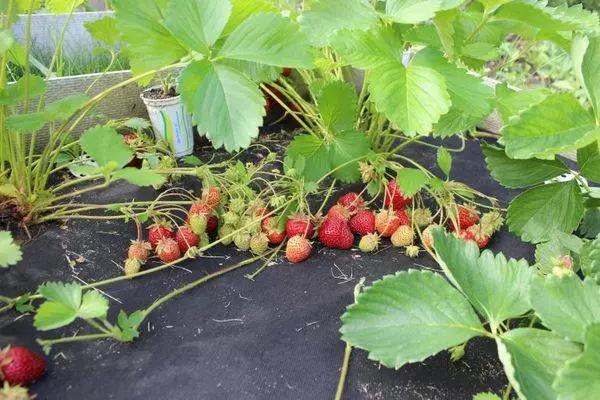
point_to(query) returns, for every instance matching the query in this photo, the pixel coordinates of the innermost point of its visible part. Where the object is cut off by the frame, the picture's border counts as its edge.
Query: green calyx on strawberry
(8, 392)
(297, 249)
(394, 198)
(362, 223)
(352, 202)
(369, 243)
(299, 224)
(168, 250)
(159, 230)
(386, 223)
(20, 366)
(335, 233)
(186, 238)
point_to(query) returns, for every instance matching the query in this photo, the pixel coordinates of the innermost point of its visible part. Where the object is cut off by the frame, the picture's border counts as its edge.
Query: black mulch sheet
(232, 338)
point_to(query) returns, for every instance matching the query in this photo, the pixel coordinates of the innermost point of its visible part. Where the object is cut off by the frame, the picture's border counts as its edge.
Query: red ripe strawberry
(394, 198)
(352, 202)
(339, 212)
(363, 223)
(139, 250)
(476, 234)
(269, 227)
(297, 249)
(159, 231)
(299, 225)
(168, 250)
(211, 196)
(403, 216)
(186, 238)
(129, 138)
(335, 233)
(386, 223)
(20, 366)
(286, 72)
(467, 217)
(212, 224)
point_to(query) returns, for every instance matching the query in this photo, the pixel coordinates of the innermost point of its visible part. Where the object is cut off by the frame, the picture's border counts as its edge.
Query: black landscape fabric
(232, 338)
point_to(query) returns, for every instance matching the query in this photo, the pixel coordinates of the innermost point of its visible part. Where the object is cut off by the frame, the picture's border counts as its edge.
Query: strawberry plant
(412, 315)
(539, 126)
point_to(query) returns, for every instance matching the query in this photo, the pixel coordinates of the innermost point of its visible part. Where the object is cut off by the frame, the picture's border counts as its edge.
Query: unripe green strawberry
(421, 217)
(369, 243)
(198, 223)
(259, 243)
(8, 392)
(225, 232)
(237, 205)
(132, 266)
(412, 251)
(230, 218)
(404, 236)
(204, 240)
(242, 241)
(491, 222)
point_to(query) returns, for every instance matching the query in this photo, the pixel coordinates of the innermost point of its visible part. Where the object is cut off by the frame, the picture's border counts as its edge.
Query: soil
(232, 338)
(159, 94)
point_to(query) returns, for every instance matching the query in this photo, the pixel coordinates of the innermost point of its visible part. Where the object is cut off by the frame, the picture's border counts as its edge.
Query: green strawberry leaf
(345, 147)
(454, 122)
(408, 317)
(129, 325)
(66, 294)
(566, 305)
(590, 226)
(242, 9)
(51, 315)
(515, 174)
(105, 146)
(16, 92)
(412, 12)
(512, 103)
(315, 154)
(496, 287)
(226, 105)
(444, 161)
(532, 359)
(104, 30)
(140, 177)
(586, 60)
(65, 107)
(536, 214)
(149, 43)
(10, 253)
(196, 24)
(412, 97)
(63, 6)
(590, 259)
(326, 17)
(338, 105)
(93, 305)
(557, 124)
(411, 180)
(27, 123)
(468, 93)
(270, 39)
(369, 49)
(578, 379)
(486, 396)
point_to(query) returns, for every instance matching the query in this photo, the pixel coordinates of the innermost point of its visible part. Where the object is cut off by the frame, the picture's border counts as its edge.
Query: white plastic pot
(171, 122)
